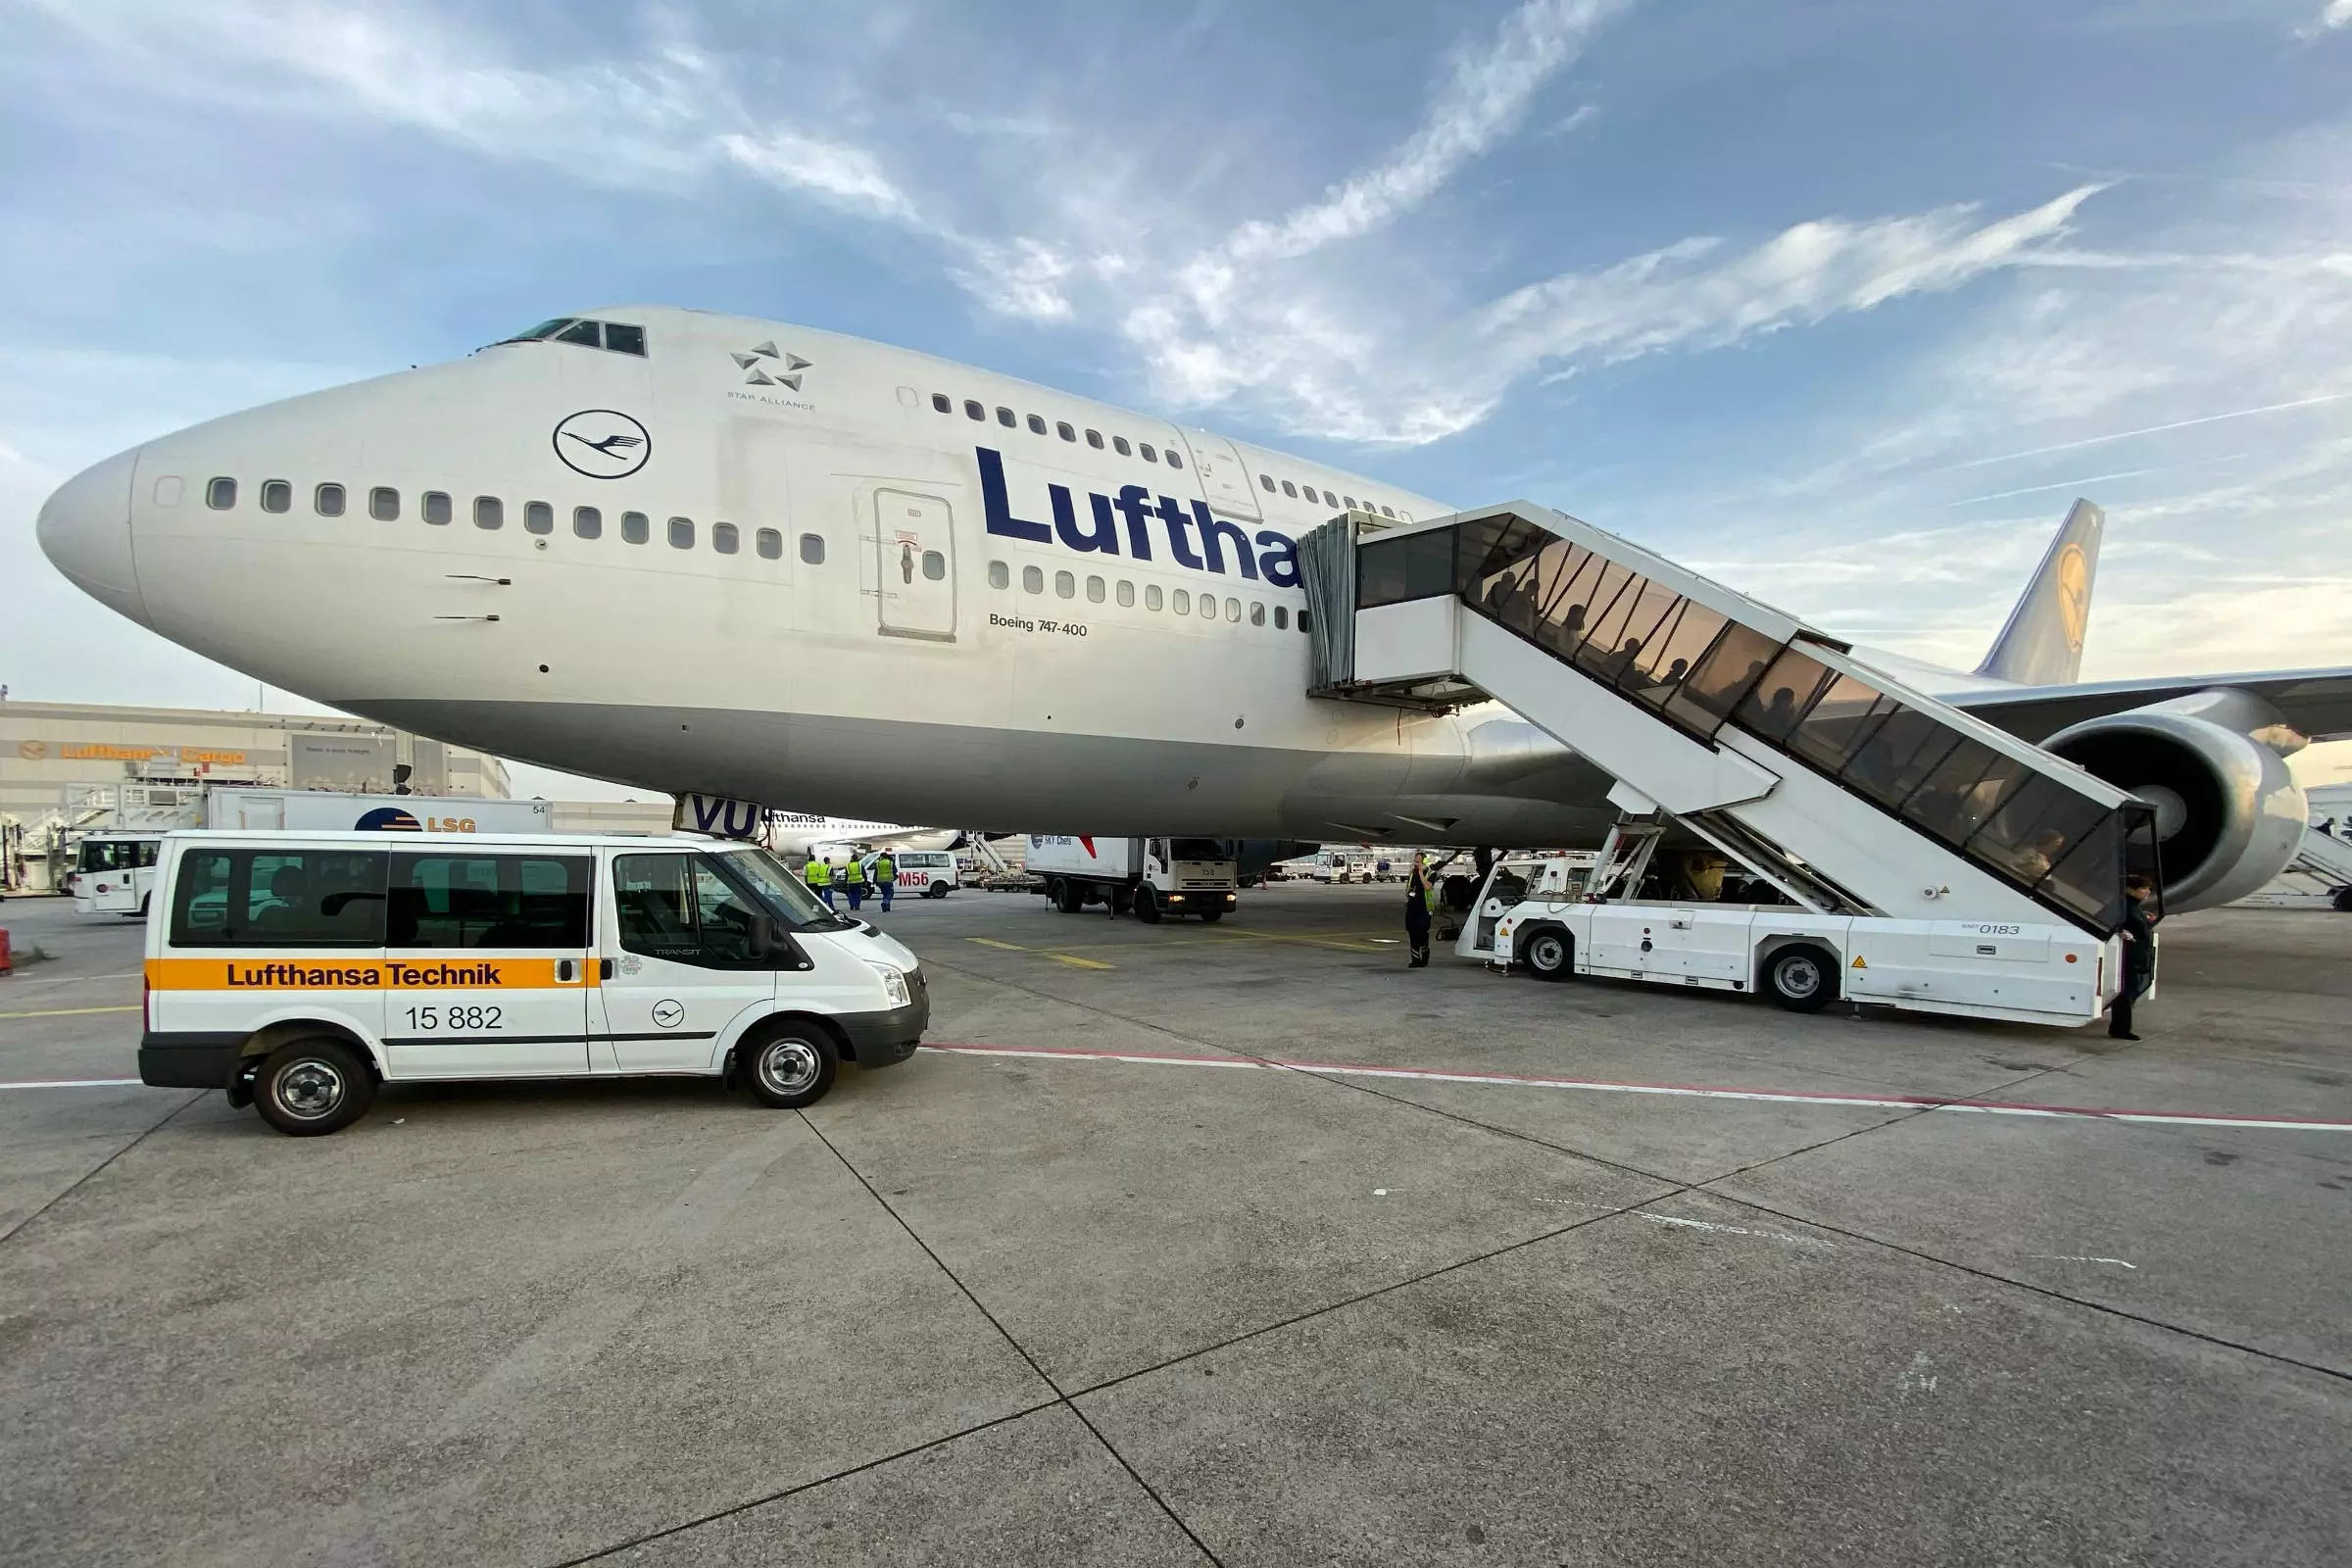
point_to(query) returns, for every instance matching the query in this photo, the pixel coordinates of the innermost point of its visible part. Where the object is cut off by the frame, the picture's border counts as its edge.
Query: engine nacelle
(2229, 814)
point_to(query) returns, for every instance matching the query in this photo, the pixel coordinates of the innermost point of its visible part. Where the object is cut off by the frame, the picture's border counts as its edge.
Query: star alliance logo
(787, 368)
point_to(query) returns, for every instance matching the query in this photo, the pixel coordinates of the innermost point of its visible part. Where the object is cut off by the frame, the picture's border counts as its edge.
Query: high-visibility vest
(820, 873)
(886, 869)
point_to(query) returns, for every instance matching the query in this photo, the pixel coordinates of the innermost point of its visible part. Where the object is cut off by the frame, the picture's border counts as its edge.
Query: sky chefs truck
(1157, 878)
(299, 970)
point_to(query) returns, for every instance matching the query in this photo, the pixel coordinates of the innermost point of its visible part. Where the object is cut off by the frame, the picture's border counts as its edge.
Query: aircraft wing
(2316, 702)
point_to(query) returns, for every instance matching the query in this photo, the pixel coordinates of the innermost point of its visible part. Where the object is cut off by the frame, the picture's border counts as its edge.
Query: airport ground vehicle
(930, 873)
(1803, 959)
(327, 811)
(1157, 878)
(114, 873)
(299, 970)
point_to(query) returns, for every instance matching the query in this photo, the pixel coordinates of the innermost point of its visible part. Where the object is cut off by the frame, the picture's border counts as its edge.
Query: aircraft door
(914, 543)
(1223, 479)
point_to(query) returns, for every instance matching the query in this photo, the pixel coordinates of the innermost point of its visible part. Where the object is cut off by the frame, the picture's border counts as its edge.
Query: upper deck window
(617, 336)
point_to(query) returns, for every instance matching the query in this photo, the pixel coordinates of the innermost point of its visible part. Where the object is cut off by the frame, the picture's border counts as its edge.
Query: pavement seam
(1059, 1397)
(797, 1487)
(1701, 1187)
(2048, 1292)
(18, 1228)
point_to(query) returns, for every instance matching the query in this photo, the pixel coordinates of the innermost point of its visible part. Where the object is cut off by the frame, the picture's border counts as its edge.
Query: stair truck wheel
(1801, 977)
(1212, 917)
(1549, 954)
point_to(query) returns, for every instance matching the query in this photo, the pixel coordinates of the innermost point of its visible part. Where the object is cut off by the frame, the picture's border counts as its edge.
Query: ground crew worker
(820, 879)
(1416, 914)
(852, 883)
(886, 877)
(2139, 954)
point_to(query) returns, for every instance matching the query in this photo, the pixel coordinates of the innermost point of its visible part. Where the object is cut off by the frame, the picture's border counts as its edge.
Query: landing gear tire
(1550, 955)
(310, 1087)
(1801, 979)
(1146, 906)
(790, 1066)
(1068, 897)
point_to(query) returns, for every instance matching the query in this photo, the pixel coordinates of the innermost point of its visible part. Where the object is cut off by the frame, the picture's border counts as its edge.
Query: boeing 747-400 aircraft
(701, 553)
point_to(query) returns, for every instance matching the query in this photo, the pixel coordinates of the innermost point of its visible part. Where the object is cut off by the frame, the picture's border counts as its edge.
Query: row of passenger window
(1334, 501)
(538, 517)
(1180, 601)
(974, 409)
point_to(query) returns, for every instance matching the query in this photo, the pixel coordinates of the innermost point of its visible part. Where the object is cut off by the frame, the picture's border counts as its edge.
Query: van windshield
(787, 898)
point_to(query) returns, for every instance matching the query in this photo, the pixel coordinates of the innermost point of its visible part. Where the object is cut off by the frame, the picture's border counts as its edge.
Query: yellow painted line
(1080, 963)
(990, 941)
(70, 1013)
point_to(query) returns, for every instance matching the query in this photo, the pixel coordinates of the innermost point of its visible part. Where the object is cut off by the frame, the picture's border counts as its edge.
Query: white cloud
(2337, 15)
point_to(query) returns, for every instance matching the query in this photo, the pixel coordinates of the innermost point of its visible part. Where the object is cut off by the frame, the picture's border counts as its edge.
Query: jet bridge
(1759, 733)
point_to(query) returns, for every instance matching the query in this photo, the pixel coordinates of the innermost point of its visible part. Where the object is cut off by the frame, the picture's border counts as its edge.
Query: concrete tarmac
(1240, 1244)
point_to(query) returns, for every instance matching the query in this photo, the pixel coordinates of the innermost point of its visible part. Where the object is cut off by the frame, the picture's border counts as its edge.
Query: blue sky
(1841, 302)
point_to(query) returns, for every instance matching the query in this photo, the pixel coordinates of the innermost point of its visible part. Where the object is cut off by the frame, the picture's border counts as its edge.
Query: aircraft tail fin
(2042, 643)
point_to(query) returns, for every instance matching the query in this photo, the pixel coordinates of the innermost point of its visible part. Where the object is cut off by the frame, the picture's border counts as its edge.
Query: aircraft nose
(84, 530)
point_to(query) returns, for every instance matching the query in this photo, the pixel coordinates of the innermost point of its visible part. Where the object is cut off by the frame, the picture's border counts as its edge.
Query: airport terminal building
(67, 767)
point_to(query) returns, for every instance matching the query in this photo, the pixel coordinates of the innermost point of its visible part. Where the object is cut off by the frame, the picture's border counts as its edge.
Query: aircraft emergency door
(914, 543)
(1223, 479)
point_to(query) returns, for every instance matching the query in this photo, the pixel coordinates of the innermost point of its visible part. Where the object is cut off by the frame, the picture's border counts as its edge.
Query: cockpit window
(613, 336)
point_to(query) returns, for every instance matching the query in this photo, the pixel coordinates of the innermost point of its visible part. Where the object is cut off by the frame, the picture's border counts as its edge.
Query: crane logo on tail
(2074, 594)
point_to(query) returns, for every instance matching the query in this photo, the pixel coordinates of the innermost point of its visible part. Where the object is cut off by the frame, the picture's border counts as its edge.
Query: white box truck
(248, 810)
(1157, 878)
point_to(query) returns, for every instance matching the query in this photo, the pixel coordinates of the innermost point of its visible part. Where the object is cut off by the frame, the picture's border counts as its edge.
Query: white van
(299, 970)
(114, 873)
(931, 873)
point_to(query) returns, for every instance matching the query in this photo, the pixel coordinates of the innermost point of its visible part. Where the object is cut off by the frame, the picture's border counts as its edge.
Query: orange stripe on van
(342, 972)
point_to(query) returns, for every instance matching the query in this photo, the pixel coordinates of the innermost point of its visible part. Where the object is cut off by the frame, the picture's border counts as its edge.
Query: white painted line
(2069, 1257)
(76, 1083)
(1981, 1107)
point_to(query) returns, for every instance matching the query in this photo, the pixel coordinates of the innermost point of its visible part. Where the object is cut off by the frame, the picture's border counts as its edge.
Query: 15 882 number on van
(454, 1018)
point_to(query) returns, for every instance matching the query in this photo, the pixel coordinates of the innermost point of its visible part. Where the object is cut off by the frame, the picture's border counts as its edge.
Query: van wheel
(309, 1087)
(1801, 977)
(935, 891)
(790, 1064)
(1146, 905)
(1550, 954)
(1070, 898)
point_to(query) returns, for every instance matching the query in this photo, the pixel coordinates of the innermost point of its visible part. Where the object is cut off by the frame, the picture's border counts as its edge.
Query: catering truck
(246, 810)
(1156, 878)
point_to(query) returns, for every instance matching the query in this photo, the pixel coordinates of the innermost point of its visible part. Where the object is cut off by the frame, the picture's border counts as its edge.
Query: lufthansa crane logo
(603, 444)
(2074, 594)
(668, 1014)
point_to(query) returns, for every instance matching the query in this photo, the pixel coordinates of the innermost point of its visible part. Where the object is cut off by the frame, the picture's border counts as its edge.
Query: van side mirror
(767, 938)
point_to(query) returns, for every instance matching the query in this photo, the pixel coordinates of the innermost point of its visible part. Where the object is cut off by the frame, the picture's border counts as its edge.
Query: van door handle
(603, 969)
(564, 970)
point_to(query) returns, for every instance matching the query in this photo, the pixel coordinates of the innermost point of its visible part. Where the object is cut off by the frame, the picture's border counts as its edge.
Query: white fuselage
(925, 616)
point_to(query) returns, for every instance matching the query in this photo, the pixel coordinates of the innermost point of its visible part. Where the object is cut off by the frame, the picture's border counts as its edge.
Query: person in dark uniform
(1416, 914)
(2139, 956)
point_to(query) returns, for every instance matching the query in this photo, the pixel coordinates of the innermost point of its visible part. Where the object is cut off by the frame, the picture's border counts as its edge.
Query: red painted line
(1989, 1107)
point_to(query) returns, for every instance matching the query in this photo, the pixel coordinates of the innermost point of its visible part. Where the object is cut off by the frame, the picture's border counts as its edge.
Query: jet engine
(2229, 814)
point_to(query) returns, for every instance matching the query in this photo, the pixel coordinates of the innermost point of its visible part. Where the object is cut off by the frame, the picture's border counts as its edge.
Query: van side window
(489, 901)
(279, 898)
(682, 909)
